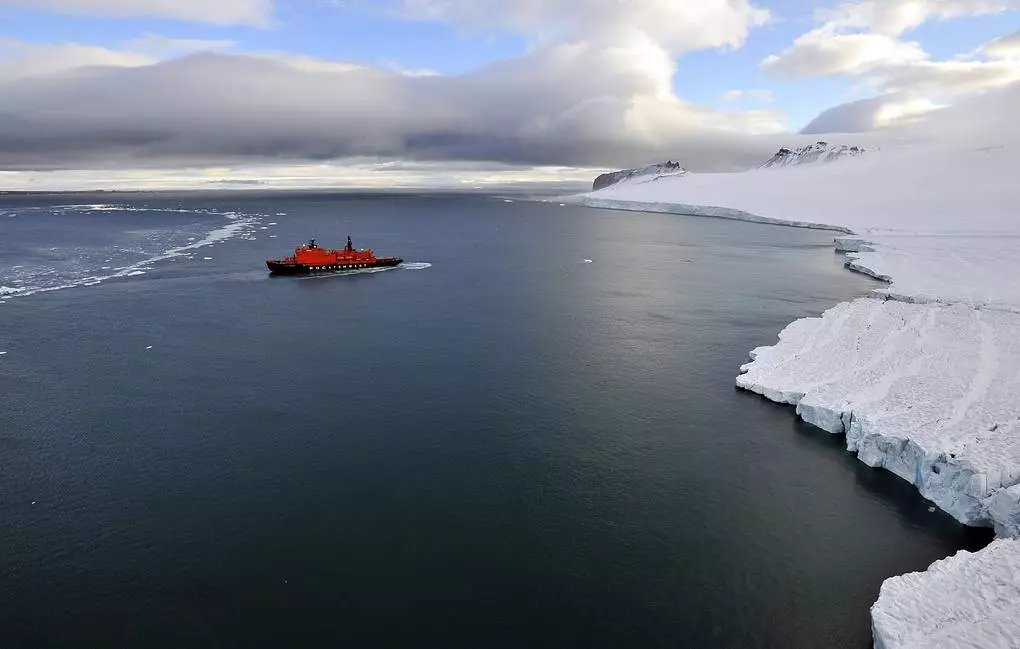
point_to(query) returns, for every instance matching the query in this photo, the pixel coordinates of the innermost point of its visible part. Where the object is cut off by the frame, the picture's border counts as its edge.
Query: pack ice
(923, 375)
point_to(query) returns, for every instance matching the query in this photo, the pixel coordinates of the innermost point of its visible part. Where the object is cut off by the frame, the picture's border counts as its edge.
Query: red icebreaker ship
(311, 258)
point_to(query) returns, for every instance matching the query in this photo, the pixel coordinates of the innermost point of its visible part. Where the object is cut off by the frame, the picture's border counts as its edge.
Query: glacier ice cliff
(926, 391)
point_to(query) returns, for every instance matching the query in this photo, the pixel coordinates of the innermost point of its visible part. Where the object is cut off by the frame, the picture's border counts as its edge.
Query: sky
(289, 93)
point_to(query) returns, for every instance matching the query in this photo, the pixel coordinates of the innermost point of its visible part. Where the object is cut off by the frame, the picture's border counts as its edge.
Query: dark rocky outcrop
(613, 177)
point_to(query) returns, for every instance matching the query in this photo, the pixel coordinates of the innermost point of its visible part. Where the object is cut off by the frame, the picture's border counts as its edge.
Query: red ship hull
(283, 268)
(311, 258)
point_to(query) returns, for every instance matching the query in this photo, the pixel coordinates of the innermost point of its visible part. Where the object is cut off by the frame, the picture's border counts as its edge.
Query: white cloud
(947, 78)
(20, 60)
(159, 46)
(409, 72)
(863, 39)
(570, 104)
(757, 95)
(894, 17)
(677, 26)
(595, 89)
(871, 114)
(823, 52)
(220, 12)
(1006, 47)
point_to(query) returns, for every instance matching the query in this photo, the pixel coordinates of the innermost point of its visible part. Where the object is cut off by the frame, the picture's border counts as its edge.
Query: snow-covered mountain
(651, 172)
(812, 153)
(819, 152)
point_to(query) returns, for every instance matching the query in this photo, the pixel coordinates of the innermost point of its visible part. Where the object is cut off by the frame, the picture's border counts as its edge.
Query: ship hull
(282, 268)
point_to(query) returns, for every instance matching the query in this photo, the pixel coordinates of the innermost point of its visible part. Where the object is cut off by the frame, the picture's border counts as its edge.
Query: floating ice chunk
(966, 600)
(207, 258)
(587, 261)
(272, 223)
(507, 200)
(149, 347)
(3, 353)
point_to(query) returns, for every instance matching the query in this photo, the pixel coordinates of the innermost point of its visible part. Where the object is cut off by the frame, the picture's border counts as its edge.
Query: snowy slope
(922, 377)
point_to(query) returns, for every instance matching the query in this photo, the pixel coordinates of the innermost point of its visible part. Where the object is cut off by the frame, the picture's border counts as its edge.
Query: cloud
(596, 88)
(566, 104)
(822, 52)
(863, 39)
(1005, 48)
(893, 18)
(871, 114)
(159, 46)
(409, 72)
(675, 26)
(947, 78)
(219, 12)
(21, 60)
(757, 95)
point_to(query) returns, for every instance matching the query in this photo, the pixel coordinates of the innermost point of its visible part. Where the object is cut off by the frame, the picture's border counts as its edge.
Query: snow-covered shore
(922, 376)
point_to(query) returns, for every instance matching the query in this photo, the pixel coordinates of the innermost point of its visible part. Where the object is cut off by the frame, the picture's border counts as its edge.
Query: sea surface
(526, 436)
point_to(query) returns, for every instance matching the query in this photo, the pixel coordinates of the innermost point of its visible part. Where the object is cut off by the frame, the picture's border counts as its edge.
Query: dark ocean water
(511, 447)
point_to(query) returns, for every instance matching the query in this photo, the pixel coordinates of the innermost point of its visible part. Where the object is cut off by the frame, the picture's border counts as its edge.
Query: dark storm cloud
(566, 105)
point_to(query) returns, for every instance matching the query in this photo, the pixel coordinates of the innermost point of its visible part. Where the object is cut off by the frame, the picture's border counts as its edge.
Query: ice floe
(238, 225)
